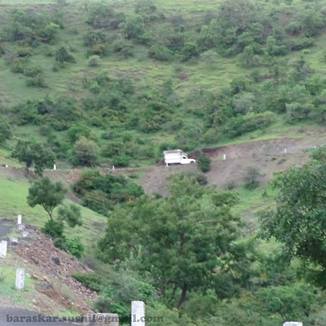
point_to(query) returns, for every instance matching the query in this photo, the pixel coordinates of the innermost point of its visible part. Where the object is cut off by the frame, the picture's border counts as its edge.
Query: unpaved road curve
(267, 156)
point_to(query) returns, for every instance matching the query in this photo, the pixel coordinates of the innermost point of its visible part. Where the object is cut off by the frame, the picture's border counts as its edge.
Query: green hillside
(88, 84)
(134, 78)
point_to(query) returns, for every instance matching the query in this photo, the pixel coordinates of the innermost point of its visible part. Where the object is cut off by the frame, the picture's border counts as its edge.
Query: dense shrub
(18, 65)
(54, 228)
(204, 162)
(75, 247)
(94, 61)
(101, 192)
(160, 52)
(247, 123)
(134, 28)
(123, 47)
(32, 27)
(62, 56)
(298, 111)
(96, 43)
(85, 152)
(102, 15)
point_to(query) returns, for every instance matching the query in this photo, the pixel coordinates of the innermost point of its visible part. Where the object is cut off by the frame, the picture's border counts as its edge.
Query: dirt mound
(53, 269)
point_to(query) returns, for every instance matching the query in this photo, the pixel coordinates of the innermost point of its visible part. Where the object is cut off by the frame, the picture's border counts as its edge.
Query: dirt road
(230, 164)
(267, 156)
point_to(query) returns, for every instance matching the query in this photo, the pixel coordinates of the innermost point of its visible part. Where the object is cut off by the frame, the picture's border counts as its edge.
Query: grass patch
(7, 285)
(13, 195)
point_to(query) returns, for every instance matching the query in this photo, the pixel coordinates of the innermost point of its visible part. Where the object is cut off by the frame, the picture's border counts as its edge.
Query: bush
(54, 229)
(85, 152)
(92, 281)
(204, 162)
(253, 121)
(17, 66)
(75, 247)
(101, 192)
(160, 52)
(93, 38)
(32, 71)
(290, 302)
(298, 111)
(102, 15)
(97, 201)
(190, 51)
(123, 47)
(121, 161)
(32, 28)
(62, 56)
(36, 81)
(94, 61)
(134, 28)
(24, 52)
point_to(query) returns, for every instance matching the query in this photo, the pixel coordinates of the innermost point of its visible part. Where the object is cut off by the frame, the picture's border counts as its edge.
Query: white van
(177, 156)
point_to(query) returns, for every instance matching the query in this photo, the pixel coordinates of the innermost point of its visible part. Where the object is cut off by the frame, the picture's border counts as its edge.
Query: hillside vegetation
(101, 83)
(121, 81)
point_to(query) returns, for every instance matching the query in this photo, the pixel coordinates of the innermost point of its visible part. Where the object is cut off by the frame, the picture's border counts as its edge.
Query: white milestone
(137, 313)
(54, 167)
(20, 278)
(3, 248)
(20, 225)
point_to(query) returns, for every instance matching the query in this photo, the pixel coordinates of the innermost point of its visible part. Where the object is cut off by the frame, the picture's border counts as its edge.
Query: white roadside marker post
(3, 248)
(20, 278)
(20, 225)
(137, 313)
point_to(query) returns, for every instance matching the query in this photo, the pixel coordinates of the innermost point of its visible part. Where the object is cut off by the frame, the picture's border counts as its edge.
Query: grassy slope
(211, 72)
(13, 195)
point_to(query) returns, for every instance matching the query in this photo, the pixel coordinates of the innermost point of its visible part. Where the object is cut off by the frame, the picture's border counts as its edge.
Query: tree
(23, 153)
(35, 154)
(299, 221)
(183, 240)
(85, 152)
(46, 194)
(50, 195)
